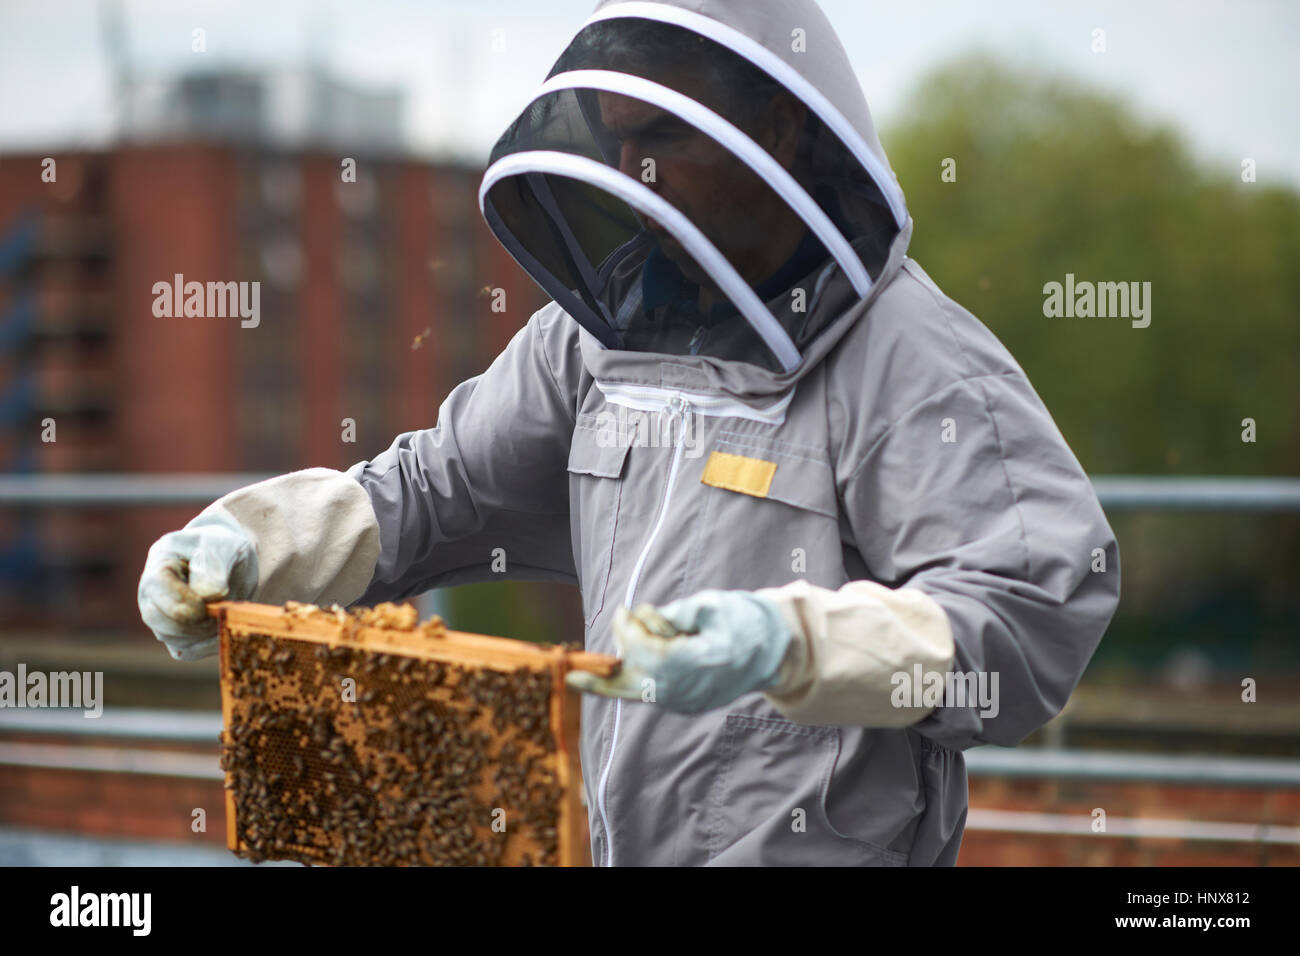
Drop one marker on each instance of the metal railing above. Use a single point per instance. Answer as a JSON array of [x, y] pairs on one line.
[[118, 491], [110, 739], [1177, 493], [1116, 492], [203, 728]]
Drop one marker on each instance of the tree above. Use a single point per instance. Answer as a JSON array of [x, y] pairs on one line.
[[1054, 179]]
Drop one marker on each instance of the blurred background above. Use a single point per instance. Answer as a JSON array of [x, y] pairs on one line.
[[140, 139]]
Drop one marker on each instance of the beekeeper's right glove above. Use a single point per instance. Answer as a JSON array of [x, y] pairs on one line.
[[211, 558]]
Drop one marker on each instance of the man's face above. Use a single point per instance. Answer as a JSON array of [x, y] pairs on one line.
[[721, 195]]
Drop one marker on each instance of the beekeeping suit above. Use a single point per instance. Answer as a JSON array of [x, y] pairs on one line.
[[743, 383]]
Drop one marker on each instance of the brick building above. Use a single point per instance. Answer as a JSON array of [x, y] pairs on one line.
[[352, 275]]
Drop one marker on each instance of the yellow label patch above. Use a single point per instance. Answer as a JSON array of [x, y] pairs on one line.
[[749, 476]]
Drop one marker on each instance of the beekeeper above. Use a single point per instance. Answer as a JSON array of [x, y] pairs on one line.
[[860, 491]]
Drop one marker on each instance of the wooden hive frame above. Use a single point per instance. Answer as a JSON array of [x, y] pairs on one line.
[[270, 649]]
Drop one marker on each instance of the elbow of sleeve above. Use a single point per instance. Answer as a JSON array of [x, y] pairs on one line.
[[1020, 662]]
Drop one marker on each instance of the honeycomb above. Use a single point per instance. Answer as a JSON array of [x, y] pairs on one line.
[[366, 738]]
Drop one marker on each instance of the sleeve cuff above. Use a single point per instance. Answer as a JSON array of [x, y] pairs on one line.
[[315, 532], [848, 647]]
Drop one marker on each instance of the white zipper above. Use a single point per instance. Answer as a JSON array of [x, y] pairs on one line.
[[680, 406], [656, 398]]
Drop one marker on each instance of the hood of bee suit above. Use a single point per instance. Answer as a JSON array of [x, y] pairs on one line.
[[700, 186]]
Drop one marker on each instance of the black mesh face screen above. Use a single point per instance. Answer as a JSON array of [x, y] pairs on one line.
[[675, 198]]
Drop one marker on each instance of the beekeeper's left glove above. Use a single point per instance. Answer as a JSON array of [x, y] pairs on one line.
[[694, 654], [212, 557]]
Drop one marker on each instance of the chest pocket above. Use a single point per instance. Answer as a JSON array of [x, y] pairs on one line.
[[596, 469], [770, 515]]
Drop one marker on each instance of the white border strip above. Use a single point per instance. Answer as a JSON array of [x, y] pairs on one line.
[[761, 56], [730, 136], [646, 201], [1066, 824], [157, 763]]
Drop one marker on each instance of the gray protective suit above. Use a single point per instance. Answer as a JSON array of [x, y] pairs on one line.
[[899, 444]]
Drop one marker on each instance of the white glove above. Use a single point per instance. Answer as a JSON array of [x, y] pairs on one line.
[[695, 654], [211, 558]]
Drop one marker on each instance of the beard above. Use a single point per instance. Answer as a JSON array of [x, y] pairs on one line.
[[683, 260]]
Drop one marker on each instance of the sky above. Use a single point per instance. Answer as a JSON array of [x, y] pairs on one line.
[[1223, 73]]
